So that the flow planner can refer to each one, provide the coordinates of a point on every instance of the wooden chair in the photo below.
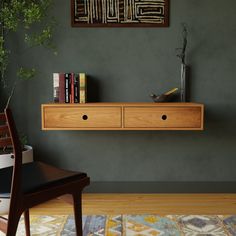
(33, 183)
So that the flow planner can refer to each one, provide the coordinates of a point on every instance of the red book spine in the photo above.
(61, 88)
(72, 88)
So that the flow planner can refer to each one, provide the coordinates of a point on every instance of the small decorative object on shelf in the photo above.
(184, 87)
(69, 87)
(165, 97)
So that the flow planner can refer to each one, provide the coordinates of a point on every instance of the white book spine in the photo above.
(56, 87)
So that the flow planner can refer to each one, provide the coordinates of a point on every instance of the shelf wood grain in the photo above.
(162, 117)
(82, 117)
(123, 116)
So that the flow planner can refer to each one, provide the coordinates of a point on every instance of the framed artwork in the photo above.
(120, 13)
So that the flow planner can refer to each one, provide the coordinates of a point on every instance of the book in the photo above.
(67, 87)
(76, 88)
(56, 87)
(61, 88)
(82, 88)
(72, 95)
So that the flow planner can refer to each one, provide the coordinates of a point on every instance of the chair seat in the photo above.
(41, 176)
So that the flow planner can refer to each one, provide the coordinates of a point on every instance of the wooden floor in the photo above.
(144, 204)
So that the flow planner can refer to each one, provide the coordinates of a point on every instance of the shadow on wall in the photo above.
(162, 187)
(93, 88)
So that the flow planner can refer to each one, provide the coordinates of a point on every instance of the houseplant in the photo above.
(30, 17)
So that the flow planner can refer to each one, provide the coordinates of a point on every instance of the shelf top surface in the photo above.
(172, 104)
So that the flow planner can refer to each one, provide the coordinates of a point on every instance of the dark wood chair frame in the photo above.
(21, 202)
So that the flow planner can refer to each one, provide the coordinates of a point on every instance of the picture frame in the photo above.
(119, 13)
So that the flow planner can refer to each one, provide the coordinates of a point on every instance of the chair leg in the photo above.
(13, 221)
(27, 222)
(78, 213)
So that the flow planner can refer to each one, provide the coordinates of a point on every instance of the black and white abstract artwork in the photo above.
(120, 13)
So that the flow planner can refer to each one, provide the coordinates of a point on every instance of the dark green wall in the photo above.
(127, 64)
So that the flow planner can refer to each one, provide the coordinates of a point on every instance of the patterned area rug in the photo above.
(134, 225)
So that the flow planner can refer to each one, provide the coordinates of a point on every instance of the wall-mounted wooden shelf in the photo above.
(123, 116)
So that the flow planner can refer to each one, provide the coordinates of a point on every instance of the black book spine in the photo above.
(76, 88)
(67, 88)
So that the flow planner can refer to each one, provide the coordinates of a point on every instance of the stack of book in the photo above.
(69, 87)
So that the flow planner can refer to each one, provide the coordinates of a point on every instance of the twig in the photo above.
(2, 35)
(182, 54)
(11, 93)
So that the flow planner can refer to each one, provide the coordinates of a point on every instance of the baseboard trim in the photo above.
(162, 187)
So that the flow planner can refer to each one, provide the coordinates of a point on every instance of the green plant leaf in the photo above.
(31, 17)
(26, 73)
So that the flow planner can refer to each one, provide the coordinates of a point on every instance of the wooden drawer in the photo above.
(163, 117)
(72, 117)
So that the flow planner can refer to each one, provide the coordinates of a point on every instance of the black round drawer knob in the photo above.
(164, 117)
(84, 117)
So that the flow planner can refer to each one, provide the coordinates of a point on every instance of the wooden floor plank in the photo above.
(145, 204)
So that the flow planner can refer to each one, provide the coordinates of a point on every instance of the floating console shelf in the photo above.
(123, 116)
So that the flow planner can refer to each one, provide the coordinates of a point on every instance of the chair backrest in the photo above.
(9, 138)
(5, 139)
